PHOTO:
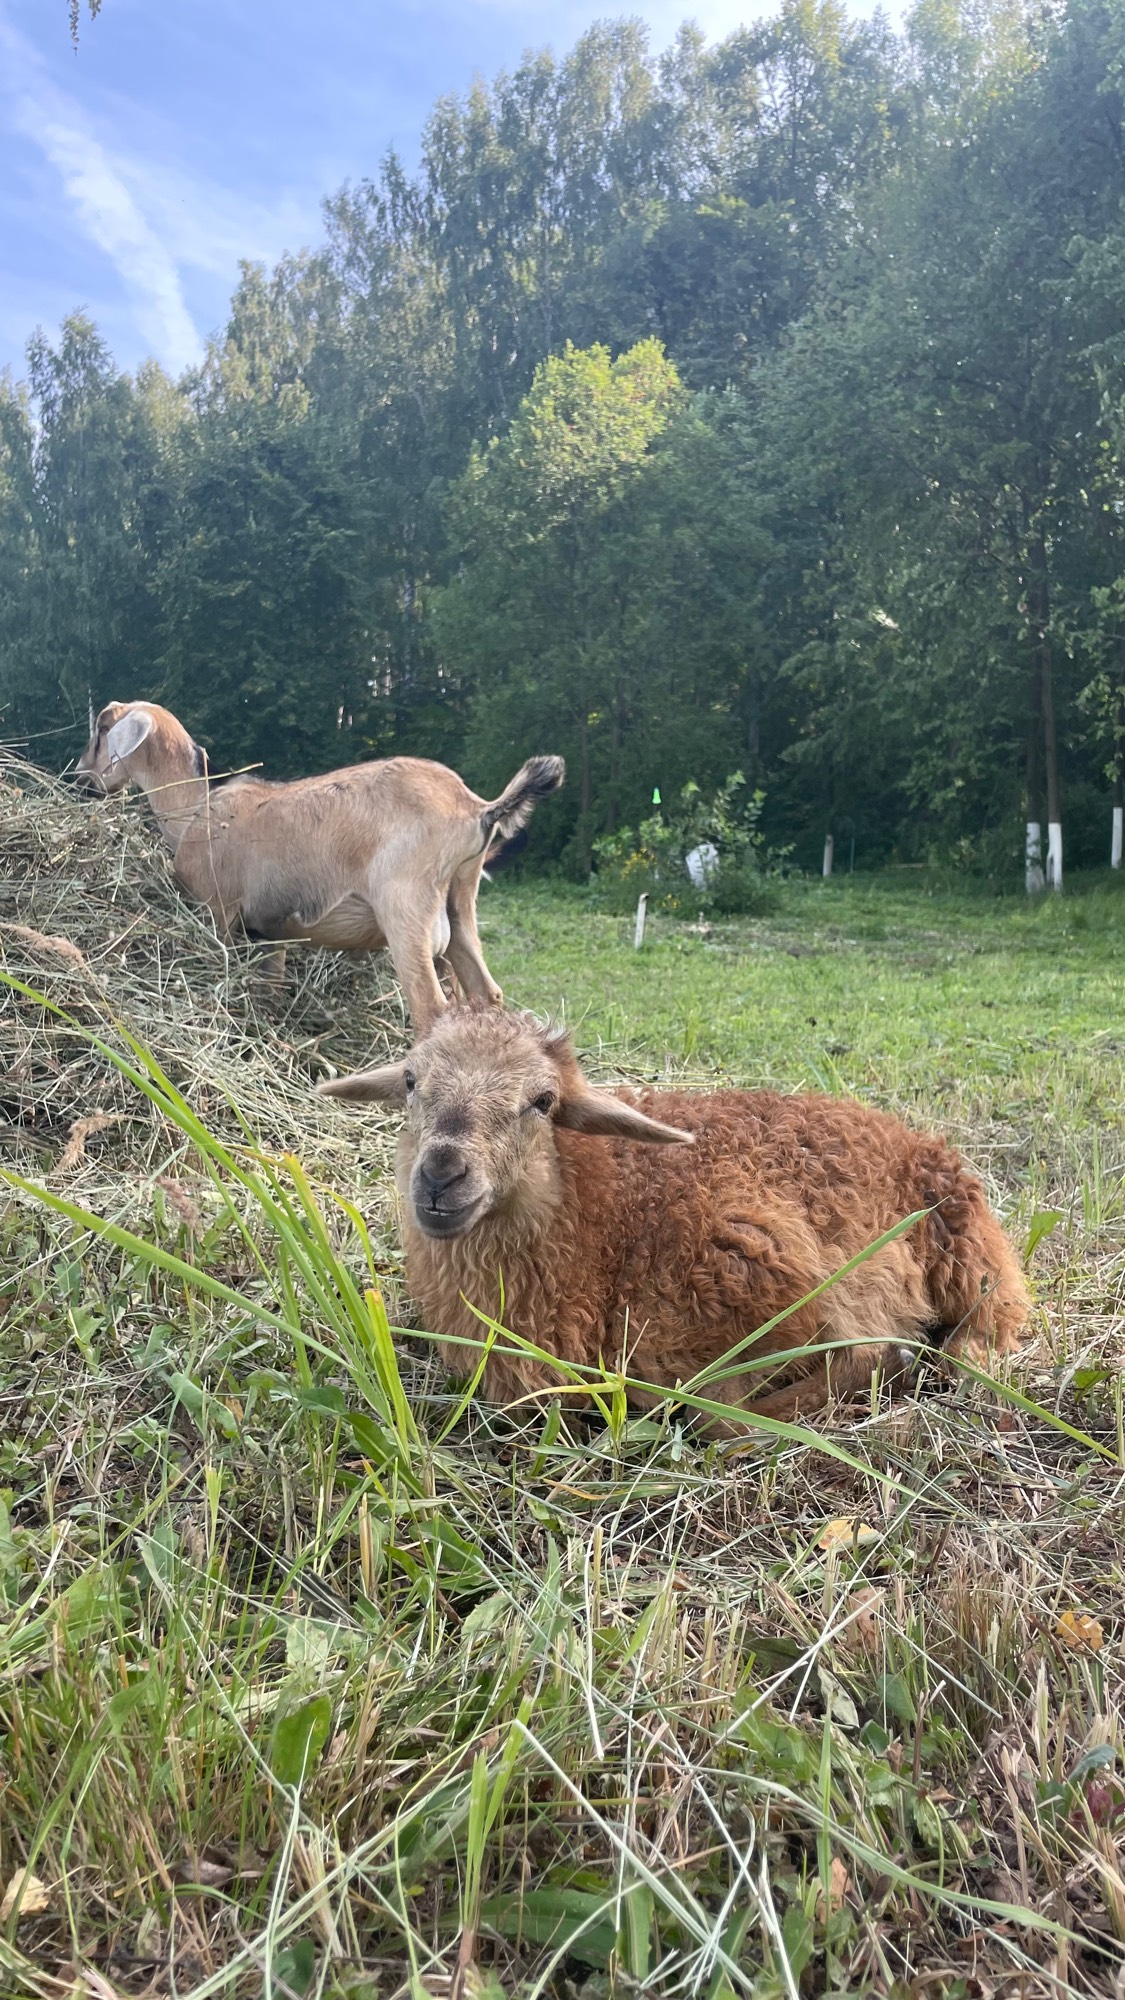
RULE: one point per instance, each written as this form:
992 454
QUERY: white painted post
1115 849
1033 862
829 846
642 912
1054 855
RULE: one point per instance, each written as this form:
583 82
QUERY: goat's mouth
446 1222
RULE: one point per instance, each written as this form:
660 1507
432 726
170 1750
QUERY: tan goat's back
383 853
320 857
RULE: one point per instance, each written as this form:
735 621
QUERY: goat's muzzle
441 1189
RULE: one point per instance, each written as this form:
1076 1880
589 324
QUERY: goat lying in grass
512 1170
377 854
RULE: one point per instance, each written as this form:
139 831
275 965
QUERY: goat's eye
409 1081
545 1104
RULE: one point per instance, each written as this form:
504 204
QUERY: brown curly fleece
664 1256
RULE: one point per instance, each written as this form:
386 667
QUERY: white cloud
113 219
102 202
209 228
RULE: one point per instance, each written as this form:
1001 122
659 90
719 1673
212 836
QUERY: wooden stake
642 912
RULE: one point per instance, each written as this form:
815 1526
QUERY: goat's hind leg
464 951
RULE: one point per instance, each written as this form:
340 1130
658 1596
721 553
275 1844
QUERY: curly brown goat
525 1193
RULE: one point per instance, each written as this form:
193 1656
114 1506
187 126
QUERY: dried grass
90 916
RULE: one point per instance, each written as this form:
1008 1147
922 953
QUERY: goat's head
484 1091
122 727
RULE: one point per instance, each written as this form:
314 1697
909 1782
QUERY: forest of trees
757 406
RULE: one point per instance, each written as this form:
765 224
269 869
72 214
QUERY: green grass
317 1677
849 984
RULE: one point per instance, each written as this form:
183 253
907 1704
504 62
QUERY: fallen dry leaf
97 1987
839 1882
208 1874
846 1533
26 1890
1080 1632
863 1632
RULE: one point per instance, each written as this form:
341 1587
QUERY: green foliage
652 858
761 404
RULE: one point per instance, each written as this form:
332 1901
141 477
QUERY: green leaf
797 1937
85 1606
298 1739
1043 1224
9 1555
294 1966
635 1949
781 1747
323 1398
139 1694
571 1920
158 1550
897 1698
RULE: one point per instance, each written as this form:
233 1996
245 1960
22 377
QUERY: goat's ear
128 734
369 1086
602 1115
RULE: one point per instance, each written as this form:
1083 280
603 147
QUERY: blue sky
185 134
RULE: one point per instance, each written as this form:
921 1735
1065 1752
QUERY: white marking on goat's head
484 1092
118 734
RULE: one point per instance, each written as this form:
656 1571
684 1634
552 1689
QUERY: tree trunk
753 731
1040 609
1118 778
616 735
584 796
829 848
1050 750
1033 852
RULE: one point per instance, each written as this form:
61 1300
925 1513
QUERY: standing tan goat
381 854
526 1192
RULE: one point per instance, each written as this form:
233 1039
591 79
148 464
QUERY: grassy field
317 1679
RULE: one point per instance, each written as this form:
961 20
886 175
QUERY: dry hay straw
91 918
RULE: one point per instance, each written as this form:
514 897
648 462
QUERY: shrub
652 857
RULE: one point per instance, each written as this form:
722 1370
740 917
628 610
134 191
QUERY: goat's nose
440 1175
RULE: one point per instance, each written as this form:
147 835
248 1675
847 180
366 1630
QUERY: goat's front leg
270 968
843 1376
268 964
409 935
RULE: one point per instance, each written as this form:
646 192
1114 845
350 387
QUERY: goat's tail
534 781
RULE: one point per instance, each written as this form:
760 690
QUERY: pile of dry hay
92 920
